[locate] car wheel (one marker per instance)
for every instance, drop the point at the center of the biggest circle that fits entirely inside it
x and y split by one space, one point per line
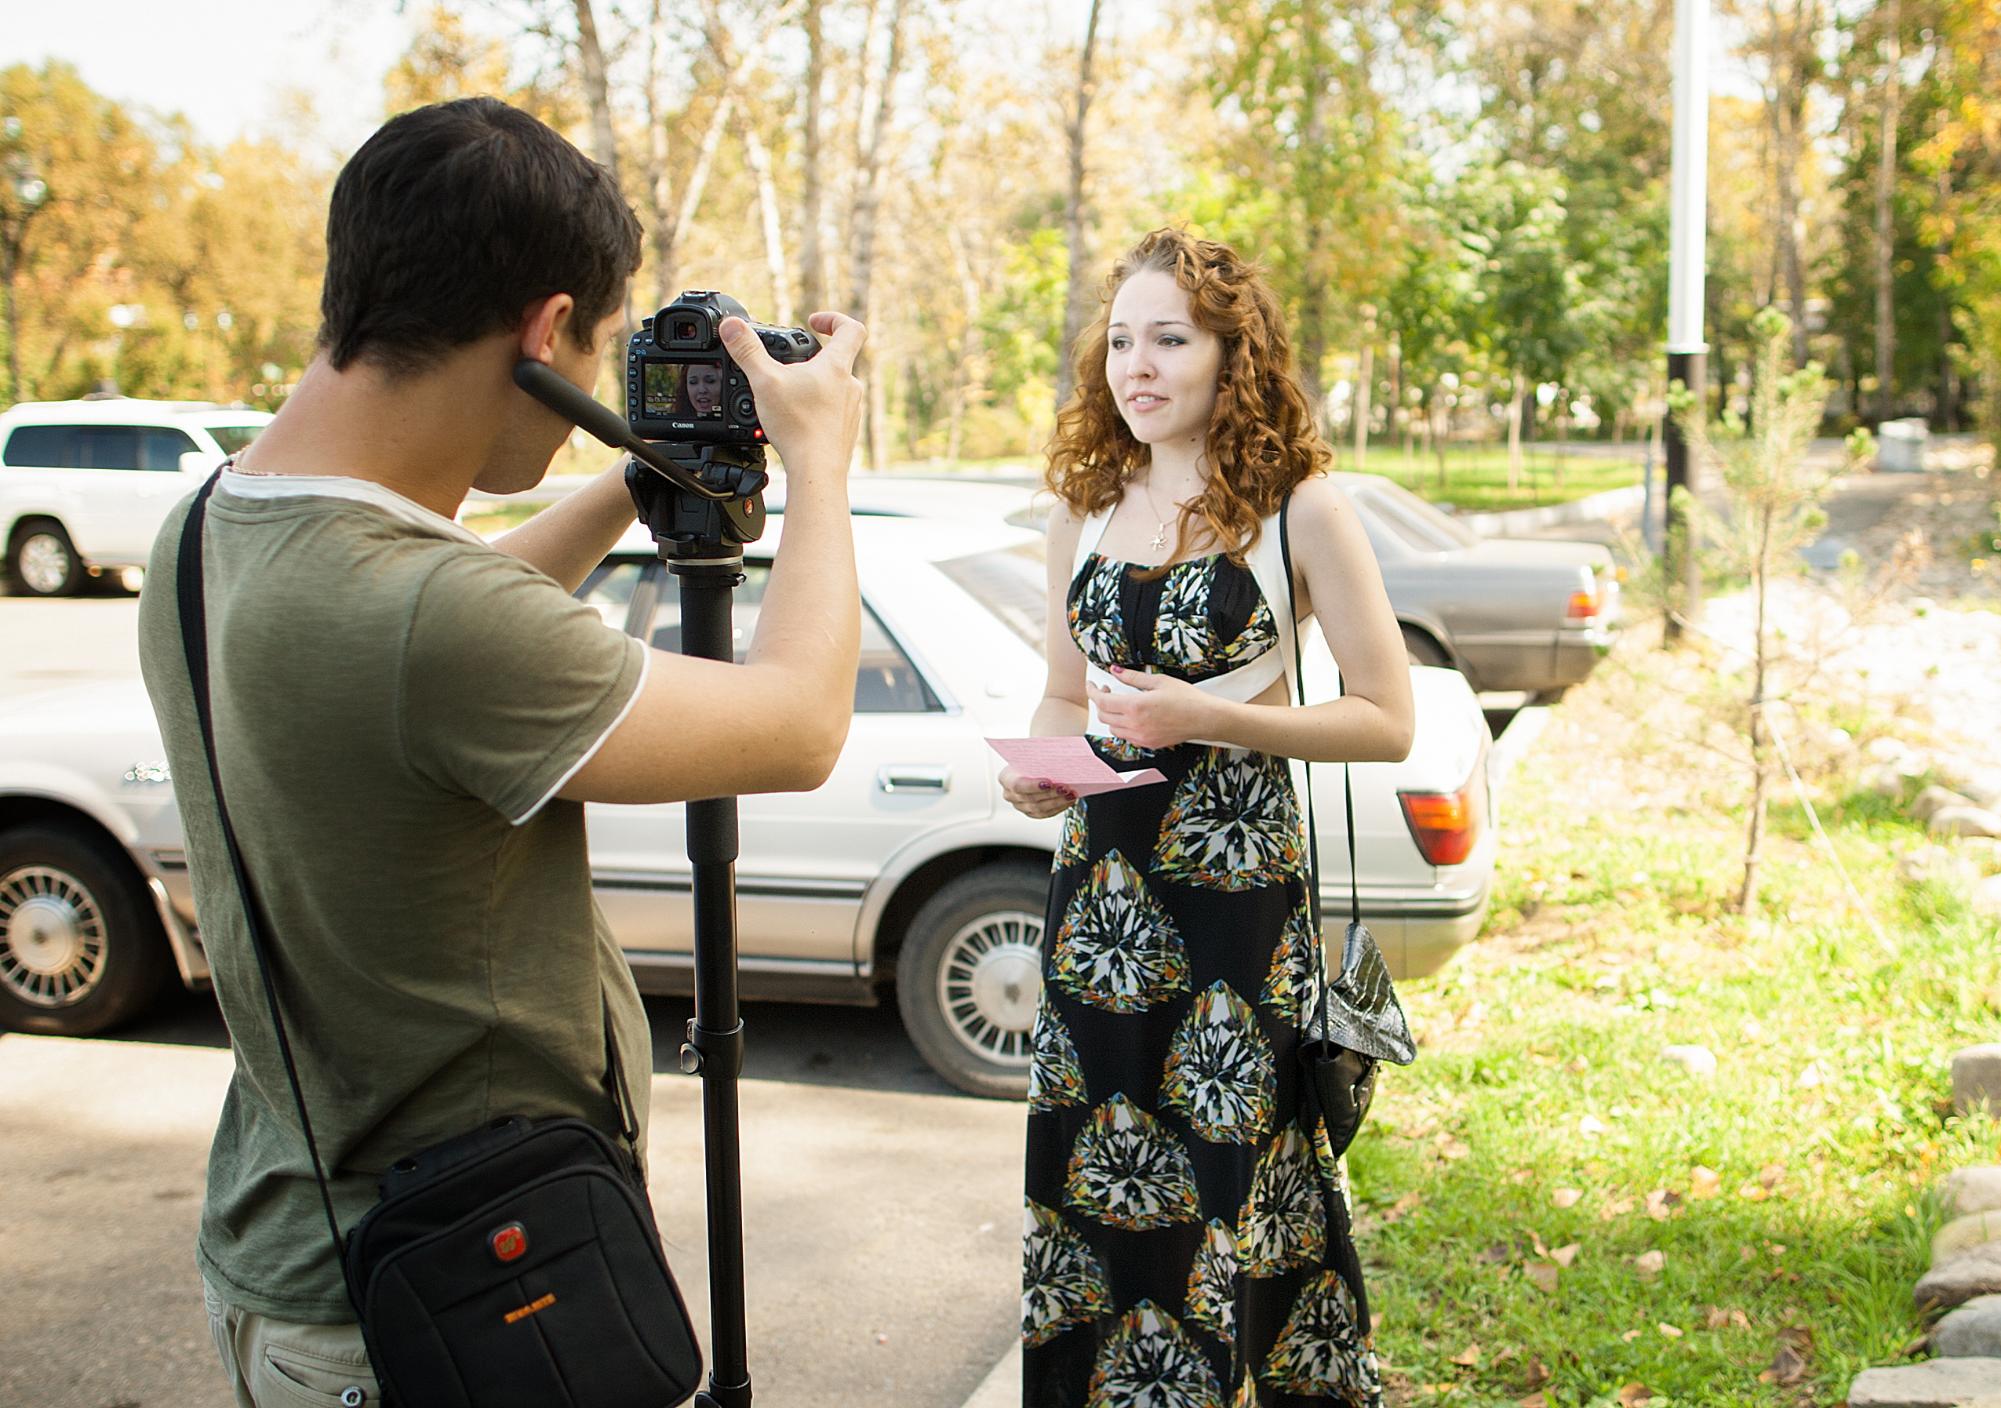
1423 650
42 560
80 949
970 975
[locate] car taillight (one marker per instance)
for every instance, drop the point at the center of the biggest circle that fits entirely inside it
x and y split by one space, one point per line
1446 825
1583 606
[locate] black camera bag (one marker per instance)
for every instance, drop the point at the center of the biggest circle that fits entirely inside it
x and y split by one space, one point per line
514 1266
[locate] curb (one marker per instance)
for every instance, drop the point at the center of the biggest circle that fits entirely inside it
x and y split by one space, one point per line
1001 1388
1509 522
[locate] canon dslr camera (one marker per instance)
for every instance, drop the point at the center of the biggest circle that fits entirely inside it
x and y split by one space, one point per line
680 383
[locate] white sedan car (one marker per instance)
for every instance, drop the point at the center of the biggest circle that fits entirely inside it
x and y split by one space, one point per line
905 871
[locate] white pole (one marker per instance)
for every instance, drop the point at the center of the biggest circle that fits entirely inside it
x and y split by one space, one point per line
1689 184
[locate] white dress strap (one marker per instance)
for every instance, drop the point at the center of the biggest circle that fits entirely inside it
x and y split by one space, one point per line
1089 534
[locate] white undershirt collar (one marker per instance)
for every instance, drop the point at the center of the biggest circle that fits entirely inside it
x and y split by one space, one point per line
239 485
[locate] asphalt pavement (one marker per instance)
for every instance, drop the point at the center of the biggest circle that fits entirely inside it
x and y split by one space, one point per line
882 1208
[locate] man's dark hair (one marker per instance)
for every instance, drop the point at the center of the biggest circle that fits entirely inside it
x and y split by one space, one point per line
451 220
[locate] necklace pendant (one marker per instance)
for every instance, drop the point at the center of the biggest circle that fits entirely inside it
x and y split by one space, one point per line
1159 539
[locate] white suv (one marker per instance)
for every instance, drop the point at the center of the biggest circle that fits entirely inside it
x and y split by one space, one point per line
85 485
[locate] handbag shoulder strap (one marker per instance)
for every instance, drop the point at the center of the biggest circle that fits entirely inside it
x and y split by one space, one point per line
194 642
1347 785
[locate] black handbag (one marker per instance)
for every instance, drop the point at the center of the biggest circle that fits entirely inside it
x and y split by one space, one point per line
514 1266
1361 1024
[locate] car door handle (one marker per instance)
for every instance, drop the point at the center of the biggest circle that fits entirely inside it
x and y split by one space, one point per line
897 778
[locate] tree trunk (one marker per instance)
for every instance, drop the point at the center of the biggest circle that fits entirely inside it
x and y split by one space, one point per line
1365 382
963 374
812 261
1791 55
759 161
597 89
1761 766
1075 217
1519 395
1886 188
868 201
659 178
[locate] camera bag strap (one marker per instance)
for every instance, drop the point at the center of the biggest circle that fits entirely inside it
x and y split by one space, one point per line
511 1266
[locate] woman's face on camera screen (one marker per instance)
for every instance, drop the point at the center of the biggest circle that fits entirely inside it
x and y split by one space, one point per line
705 388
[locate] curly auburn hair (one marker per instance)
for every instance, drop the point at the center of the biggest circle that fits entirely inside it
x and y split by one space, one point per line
1262 439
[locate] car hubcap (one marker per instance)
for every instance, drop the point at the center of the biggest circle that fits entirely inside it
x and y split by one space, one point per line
51 937
989 984
45 563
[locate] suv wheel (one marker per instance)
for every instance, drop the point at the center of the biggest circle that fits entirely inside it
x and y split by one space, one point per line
42 560
970 975
80 949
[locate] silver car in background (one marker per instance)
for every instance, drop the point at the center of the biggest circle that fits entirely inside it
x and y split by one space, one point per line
906 872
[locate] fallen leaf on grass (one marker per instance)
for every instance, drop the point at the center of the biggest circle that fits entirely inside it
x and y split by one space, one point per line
1715 1317
1468 1357
1673 1332
1630 1336
1563 1256
1521 1175
1740 1319
1538 1373
1453 1149
1704 1182
1404 1206
1661 1204
1534 1400
1566 1197
1617 1207
1494 1255
1591 1125
1649 1264
1789 1359
1545 1277
1633 1395
1754 1192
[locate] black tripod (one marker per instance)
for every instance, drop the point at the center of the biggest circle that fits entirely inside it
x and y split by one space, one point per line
702 503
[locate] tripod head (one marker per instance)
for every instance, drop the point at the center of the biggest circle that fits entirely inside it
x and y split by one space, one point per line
702 503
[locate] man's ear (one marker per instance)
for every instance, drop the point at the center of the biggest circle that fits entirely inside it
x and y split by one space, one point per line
542 322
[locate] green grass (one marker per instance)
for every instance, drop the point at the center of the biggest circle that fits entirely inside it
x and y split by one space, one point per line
1787 1195
1475 479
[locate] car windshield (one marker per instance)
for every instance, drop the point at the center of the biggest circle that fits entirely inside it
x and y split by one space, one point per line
1415 523
233 438
1009 582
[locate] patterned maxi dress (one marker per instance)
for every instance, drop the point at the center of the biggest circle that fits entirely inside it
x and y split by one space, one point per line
1186 1240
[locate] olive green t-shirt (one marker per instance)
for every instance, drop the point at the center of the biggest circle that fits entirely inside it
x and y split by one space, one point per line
396 705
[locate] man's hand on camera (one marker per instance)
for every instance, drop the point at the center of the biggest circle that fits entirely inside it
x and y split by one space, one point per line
811 411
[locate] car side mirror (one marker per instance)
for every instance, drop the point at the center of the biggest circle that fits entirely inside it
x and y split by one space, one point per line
199 463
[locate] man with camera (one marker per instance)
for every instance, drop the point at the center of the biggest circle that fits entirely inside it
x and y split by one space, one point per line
407 720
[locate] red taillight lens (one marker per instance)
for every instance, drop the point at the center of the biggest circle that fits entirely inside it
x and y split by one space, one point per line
1446 824
1583 606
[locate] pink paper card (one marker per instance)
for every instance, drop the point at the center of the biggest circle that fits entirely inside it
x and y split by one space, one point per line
1068 762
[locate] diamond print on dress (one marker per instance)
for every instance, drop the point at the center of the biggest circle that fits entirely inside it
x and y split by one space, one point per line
1097 622
1181 633
1290 993
1283 1223
1075 847
1117 948
1128 1171
1212 1282
1219 1074
1320 1351
1233 824
1055 1075
1062 1283
1149 1362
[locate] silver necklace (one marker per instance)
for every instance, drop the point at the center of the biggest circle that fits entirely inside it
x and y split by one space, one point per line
1159 542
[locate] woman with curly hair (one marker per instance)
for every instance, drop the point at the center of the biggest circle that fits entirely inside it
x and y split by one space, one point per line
1186 1240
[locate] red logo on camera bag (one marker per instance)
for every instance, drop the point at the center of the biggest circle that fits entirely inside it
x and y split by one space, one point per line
509 1243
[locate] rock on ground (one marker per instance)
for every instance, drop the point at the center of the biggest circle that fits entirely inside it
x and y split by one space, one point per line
1936 1383
1933 800
1954 1282
1964 821
1963 1234
1973 1331
1976 1077
1975 1189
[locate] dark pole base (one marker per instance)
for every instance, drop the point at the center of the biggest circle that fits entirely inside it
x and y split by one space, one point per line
1683 545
